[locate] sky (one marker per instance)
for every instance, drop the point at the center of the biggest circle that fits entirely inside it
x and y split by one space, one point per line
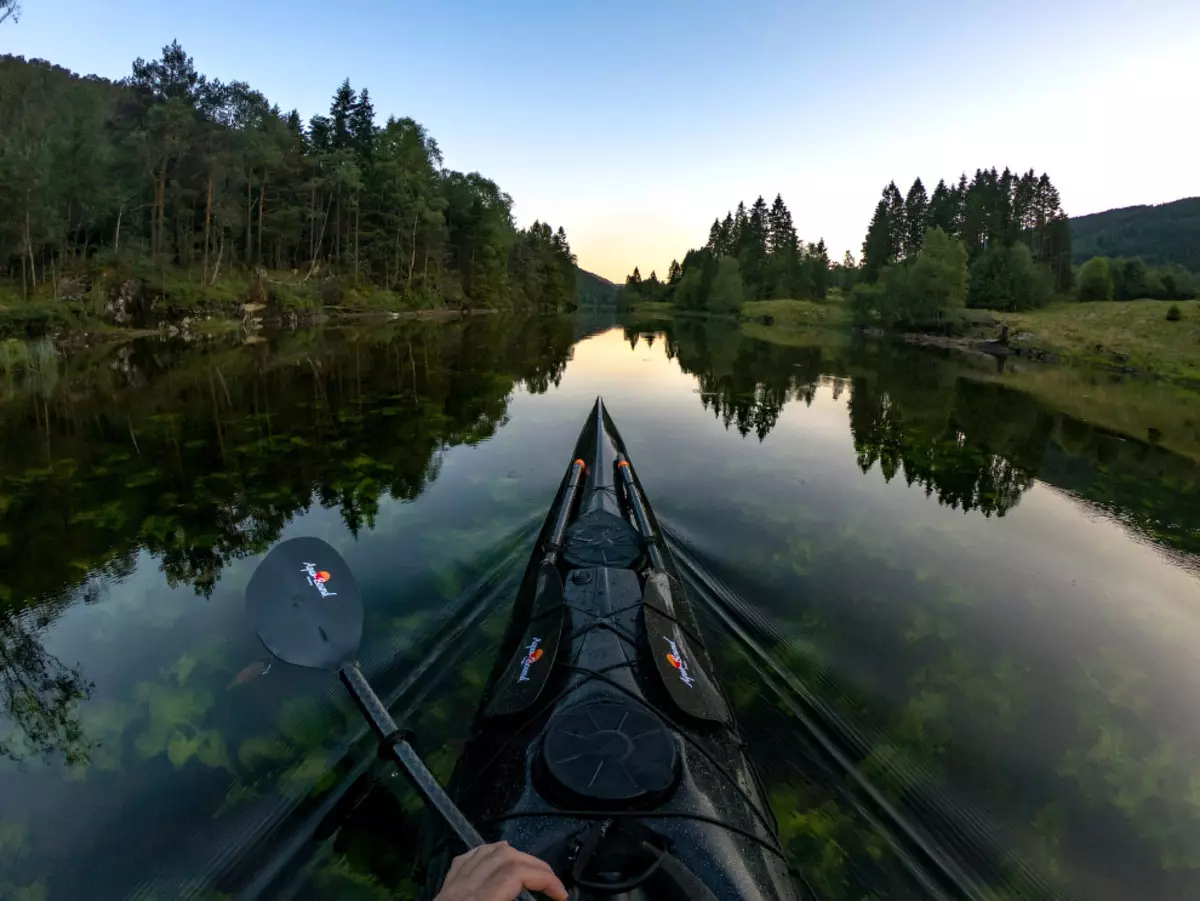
634 124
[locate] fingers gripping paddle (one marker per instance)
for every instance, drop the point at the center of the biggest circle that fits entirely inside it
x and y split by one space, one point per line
307 609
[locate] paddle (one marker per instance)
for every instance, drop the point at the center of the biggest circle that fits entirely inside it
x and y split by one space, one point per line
308 611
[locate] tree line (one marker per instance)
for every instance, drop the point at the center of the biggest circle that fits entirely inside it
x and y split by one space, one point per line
1101 278
751 254
192 172
999 240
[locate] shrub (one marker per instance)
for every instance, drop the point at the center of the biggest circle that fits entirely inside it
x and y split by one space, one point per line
1096 280
1174 314
1007 278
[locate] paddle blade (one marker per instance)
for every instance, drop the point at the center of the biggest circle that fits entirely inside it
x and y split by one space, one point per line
527 672
683 669
305 604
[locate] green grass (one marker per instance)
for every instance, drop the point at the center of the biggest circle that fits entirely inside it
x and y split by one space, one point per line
1155 411
1133 334
831 312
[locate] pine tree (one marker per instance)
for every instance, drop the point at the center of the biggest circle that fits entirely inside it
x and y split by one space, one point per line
753 256
361 125
737 234
897 229
818 267
727 236
784 250
715 240
916 215
877 247
674 273
340 112
942 209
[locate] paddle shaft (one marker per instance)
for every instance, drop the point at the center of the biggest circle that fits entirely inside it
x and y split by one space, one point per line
634 499
406 758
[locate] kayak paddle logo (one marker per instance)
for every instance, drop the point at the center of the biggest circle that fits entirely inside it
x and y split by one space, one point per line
676 660
318 578
532 656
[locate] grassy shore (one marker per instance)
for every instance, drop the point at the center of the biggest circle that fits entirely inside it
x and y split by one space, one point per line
1132 335
1127 336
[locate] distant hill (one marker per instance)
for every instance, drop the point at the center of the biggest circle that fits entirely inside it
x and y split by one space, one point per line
1169 233
594 290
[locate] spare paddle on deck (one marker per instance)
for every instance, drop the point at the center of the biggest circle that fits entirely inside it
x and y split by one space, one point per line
308 611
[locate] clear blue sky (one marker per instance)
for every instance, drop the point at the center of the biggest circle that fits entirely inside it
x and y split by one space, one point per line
633 124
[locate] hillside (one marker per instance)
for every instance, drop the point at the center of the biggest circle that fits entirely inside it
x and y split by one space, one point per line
1168 233
594 290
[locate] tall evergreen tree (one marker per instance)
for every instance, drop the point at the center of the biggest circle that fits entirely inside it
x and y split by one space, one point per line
340 113
674 273
942 212
877 247
897 228
361 125
737 234
916 216
752 258
817 259
716 241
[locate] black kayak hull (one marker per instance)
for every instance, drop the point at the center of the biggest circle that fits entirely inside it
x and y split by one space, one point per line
604 744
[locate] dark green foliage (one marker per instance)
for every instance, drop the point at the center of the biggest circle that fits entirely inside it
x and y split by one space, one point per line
1007 278
864 304
919 293
206 177
943 211
594 290
877 248
916 219
991 209
1167 233
1134 280
772 262
1095 280
1174 314
727 287
818 275
939 276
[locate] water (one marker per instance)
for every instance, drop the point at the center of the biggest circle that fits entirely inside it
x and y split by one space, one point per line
958 624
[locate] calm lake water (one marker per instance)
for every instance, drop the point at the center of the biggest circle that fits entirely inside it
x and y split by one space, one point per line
959 625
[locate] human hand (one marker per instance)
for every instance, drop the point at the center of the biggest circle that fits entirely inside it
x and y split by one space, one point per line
498 872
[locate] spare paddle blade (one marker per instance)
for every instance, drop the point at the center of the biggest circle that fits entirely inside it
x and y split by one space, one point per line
305 604
528 671
683 666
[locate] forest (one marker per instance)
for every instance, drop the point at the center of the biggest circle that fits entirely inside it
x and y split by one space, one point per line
182 179
1160 235
998 241
751 254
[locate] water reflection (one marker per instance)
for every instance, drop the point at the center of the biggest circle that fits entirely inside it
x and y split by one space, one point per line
891 551
972 444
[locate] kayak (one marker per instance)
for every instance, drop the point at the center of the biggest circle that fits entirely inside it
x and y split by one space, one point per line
604 743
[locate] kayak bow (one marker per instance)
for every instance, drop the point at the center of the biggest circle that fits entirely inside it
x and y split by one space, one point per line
604 744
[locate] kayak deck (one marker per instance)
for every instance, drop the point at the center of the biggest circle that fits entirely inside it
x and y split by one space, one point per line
605 745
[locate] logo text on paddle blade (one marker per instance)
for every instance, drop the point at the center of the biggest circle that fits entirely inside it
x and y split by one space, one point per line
675 658
318 578
533 654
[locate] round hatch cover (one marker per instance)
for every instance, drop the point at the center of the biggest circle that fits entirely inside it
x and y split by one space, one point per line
600 538
608 754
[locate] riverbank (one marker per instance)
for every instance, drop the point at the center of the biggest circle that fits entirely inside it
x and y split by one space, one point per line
132 300
1129 337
